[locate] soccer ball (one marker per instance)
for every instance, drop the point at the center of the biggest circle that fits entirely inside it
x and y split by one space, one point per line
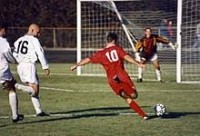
160 109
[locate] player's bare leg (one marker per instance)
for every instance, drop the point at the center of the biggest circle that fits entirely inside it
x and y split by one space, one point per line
25 88
36 100
133 105
156 65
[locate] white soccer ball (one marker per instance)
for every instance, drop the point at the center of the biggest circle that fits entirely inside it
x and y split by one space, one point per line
160 109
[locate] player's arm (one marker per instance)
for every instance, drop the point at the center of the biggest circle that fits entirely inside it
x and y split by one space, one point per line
165 41
81 63
138 46
40 53
9 56
133 61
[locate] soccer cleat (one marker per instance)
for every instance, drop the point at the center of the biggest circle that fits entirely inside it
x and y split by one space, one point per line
20 117
139 80
146 118
42 114
161 81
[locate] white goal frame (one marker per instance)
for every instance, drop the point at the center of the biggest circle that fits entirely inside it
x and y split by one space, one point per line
179 54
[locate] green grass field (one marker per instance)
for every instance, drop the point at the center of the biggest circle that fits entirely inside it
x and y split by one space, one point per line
86 106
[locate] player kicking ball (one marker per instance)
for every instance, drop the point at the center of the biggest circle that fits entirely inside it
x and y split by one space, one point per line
111 58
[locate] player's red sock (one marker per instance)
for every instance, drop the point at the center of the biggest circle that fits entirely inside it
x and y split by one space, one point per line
137 108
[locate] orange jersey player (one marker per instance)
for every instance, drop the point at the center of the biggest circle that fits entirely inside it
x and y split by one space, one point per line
111 58
147 46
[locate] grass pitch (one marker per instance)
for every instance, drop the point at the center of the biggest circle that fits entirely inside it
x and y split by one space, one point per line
86 106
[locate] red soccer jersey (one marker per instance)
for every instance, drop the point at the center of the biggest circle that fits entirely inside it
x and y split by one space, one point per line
149 47
111 58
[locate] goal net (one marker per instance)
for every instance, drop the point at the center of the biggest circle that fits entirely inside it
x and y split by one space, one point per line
188 55
96 18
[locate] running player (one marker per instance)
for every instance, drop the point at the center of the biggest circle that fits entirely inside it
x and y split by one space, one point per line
147 48
111 57
6 79
27 51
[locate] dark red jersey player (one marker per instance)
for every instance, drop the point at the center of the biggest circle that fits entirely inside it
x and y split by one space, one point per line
111 58
147 48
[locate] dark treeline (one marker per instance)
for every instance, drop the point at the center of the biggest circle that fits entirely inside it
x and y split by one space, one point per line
62 13
47 13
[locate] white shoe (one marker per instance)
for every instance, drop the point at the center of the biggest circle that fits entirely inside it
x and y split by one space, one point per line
146 118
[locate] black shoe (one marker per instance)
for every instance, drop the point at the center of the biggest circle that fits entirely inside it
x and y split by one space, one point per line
161 81
139 80
42 114
20 117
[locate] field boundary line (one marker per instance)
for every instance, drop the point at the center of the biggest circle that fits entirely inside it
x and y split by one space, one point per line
108 90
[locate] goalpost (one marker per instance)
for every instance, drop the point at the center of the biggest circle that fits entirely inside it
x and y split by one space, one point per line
188 38
127 18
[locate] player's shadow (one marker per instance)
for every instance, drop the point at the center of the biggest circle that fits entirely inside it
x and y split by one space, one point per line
82 113
174 115
95 110
56 118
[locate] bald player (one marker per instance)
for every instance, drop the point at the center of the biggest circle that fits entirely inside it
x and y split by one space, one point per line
27 51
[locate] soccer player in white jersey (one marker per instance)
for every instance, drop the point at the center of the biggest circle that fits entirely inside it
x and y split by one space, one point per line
6 79
27 51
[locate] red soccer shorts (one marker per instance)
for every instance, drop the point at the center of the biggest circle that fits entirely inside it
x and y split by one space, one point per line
125 84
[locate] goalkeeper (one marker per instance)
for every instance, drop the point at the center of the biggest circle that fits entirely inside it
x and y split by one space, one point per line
147 49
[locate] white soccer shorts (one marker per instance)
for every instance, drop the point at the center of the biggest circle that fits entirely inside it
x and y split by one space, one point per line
5 75
153 58
28 73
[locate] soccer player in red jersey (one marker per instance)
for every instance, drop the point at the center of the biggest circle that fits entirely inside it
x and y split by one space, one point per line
147 47
111 58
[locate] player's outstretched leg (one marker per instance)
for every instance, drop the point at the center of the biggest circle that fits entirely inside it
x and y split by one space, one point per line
137 108
129 93
133 105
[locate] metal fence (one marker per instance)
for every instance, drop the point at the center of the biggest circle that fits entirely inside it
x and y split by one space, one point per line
50 37
62 37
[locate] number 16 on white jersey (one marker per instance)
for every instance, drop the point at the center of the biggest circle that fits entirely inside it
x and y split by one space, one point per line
28 50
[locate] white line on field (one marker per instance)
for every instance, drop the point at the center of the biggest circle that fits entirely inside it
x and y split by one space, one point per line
53 74
107 90
68 90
